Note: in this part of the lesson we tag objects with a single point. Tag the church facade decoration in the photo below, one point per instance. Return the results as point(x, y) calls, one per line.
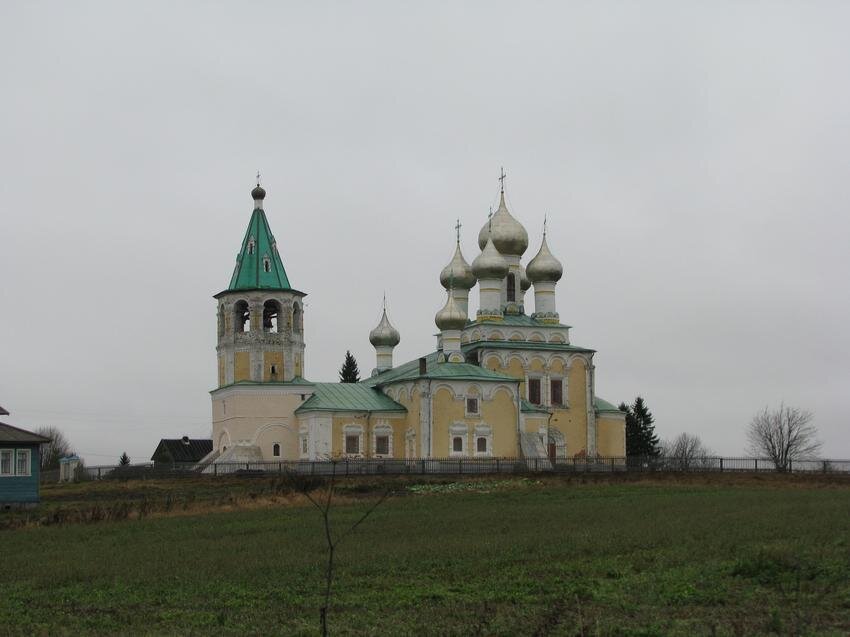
point(505, 383)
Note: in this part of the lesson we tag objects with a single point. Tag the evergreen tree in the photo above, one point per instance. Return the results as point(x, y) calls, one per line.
point(124, 460)
point(349, 372)
point(640, 431)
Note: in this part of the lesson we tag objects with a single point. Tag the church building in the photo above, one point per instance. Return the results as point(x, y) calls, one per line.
point(503, 383)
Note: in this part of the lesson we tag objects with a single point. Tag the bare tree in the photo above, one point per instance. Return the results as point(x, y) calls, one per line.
point(52, 451)
point(685, 451)
point(323, 504)
point(783, 435)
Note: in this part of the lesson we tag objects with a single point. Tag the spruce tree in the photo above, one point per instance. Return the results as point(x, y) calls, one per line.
point(124, 460)
point(349, 372)
point(640, 431)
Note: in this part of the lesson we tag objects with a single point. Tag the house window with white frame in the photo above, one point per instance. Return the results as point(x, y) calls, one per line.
point(352, 440)
point(534, 391)
point(382, 441)
point(352, 444)
point(23, 462)
point(483, 436)
point(6, 462)
point(481, 445)
point(556, 391)
point(457, 444)
point(457, 440)
point(472, 406)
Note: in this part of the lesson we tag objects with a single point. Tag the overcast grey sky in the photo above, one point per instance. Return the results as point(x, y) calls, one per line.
point(692, 158)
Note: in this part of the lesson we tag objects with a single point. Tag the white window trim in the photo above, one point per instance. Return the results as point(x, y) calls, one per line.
point(382, 430)
point(11, 453)
point(461, 431)
point(471, 414)
point(542, 380)
point(486, 432)
point(28, 453)
point(353, 430)
point(563, 380)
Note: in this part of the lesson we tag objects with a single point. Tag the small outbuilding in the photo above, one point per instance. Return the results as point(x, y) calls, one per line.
point(20, 463)
point(183, 449)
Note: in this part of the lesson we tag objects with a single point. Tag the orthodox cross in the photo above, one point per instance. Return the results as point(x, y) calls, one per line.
point(502, 176)
point(258, 177)
point(544, 224)
point(457, 230)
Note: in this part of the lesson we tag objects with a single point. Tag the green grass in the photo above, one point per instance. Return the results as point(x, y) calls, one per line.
point(501, 557)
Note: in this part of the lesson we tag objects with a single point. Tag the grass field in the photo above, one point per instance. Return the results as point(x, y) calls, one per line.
point(487, 557)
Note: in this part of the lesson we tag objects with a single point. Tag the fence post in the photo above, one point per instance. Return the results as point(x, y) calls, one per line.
point(498, 470)
point(757, 464)
point(824, 466)
point(98, 473)
point(721, 465)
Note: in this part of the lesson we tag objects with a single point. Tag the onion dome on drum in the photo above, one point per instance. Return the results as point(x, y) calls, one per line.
point(524, 281)
point(384, 335)
point(507, 233)
point(457, 273)
point(490, 264)
point(544, 266)
point(451, 317)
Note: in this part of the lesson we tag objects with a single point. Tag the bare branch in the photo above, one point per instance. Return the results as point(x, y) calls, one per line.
point(783, 435)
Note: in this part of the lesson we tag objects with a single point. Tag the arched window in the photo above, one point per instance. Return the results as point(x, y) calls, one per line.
point(251, 245)
point(296, 318)
point(511, 287)
point(276, 450)
point(242, 317)
point(457, 444)
point(267, 264)
point(481, 444)
point(271, 315)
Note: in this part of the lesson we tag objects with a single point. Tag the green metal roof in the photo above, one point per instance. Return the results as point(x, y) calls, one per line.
point(527, 407)
point(603, 405)
point(437, 371)
point(519, 320)
point(258, 247)
point(553, 347)
point(348, 397)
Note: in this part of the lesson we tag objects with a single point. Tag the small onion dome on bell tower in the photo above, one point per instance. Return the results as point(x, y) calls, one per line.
point(508, 234)
point(451, 317)
point(490, 264)
point(384, 335)
point(524, 281)
point(457, 273)
point(258, 194)
point(544, 266)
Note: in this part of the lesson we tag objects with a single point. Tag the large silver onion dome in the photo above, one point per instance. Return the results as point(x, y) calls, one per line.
point(385, 334)
point(524, 282)
point(507, 233)
point(544, 267)
point(457, 273)
point(451, 317)
point(490, 264)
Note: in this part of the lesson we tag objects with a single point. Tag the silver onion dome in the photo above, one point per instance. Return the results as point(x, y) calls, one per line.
point(524, 282)
point(451, 317)
point(544, 266)
point(507, 233)
point(385, 334)
point(490, 264)
point(457, 273)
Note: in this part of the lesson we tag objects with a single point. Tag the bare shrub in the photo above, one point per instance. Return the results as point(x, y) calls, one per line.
point(783, 435)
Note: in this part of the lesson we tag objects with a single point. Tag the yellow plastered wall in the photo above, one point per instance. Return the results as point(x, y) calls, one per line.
point(269, 359)
point(220, 371)
point(516, 370)
point(445, 411)
point(368, 425)
point(501, 414)
point(610, 436)
point(242, 367)
point(572, 422)
point(298, 364)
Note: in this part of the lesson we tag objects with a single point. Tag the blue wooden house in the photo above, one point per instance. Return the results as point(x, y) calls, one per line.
point(20, 461)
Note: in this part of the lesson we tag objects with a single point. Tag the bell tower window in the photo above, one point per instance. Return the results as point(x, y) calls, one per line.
point(267, 264)
point(512, 287)
point(271, 317)
point(251, 245)
point(242, 317)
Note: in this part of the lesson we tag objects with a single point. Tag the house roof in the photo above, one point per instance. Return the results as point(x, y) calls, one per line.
point(437, 371)
point(348, 397)
point(603, 405)
point(182, 449)
point(8, 433)
point(530, 345)
point(3, 412)
point(528, 407)
point(258, 245)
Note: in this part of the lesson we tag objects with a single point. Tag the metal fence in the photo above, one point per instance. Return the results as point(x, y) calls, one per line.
point(463, 466)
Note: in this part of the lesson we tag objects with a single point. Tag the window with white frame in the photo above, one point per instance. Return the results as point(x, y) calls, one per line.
point(382, 440)
point(304, 444)
point(457, 440)
point(556, 391)
point(534, 394)
point(22, 467)
point(472, 406)
point(352, 440)
point(6, 462)
point(483, 435)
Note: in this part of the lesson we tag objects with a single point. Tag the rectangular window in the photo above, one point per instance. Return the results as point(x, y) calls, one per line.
point(23, 465)
point(304, 445)
point(481, 445)
point(557, 392)
point(534, 391)
point(457, 444)
point(472, 405)
point(5, 462)
point(382, 445)
point(352, 443)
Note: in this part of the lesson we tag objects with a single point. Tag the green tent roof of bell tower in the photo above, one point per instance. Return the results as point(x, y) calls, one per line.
point(258, 264)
